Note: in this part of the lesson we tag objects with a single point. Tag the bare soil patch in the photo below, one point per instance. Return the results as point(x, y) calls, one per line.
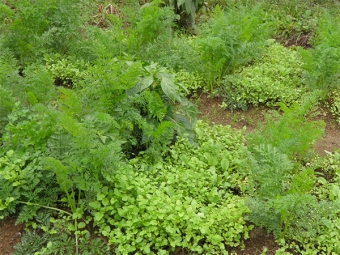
point(10, 234)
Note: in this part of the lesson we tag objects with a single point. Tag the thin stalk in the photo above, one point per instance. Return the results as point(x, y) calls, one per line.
point(44, 206)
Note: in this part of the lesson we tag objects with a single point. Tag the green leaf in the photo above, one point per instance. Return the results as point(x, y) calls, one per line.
point(100, 196)
point(169, 89)
point(78, 214)
point(143, 84)
point(180, 2)
point(98, 216)
point(169, 191)
point(95, 204)
point(71, 227)
point(105, 201)
point(81, 225)
point(204, 229)
point(225, 164)
point(212, 159)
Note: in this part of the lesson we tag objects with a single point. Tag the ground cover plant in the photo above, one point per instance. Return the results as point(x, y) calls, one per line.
point(101, 151)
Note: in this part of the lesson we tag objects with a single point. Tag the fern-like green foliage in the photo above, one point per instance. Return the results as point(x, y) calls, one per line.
point(322, 63)
point(279, 193)
point(292, 132)
point(271, 172)
point(30, 243)
point(39, 27)
point(153, 21)
point(231, 39)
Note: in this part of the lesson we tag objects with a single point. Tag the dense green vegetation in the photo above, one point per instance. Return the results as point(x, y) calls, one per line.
point(97, 133)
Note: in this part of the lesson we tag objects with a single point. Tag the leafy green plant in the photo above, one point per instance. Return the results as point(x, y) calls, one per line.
point(56, 239)
point(178, 118)
point(27, 172)
point(41, 27)
point(66, 72)
point(192, 83)
point(275, 77)
point(179, 52)
point(292, 132)
point(156, 208)
point(187, 10)
point(333, 104)
point(322, 63)
point(279, 192)
point(293, 20)
point(231, 39)
point(153, 22)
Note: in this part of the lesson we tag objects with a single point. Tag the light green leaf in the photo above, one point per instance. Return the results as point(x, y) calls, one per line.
point(105, 201)
point(81, 225)
point(100, 196)
point(95, 204)
point(71, 227)
point(169, 191)
point(225, 164)
point(204, 229)
point(98, 216)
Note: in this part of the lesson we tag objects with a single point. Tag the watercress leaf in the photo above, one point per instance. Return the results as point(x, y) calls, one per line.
point(95, 204)
point(81, 225)
point(225, 164)
point(100, 196)
point(98, 216)
point(204, 229)
point(105, 201)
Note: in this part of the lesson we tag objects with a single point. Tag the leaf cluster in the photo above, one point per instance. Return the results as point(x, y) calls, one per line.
point(275, 77)
point(321, 64)
point(231, 38)
point(31, 29)
point(293, 133)
point(184, 201)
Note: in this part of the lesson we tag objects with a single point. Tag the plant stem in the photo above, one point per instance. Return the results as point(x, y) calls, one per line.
point(44, 206)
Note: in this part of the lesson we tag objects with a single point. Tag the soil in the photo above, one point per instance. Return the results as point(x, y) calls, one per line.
point(10, 234)
point(210, 110)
